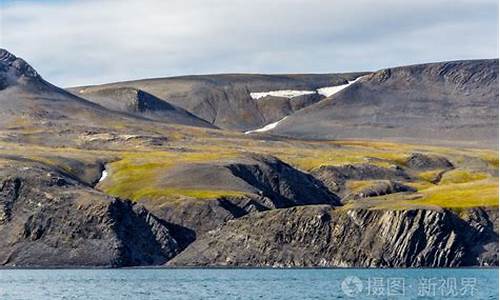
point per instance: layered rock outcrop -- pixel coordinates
(48, 218)
(322, 236)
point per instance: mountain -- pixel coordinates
(139, 103)
(118, 179)
(226, 100)
(453, 103)
(26, 98)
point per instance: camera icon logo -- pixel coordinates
(352, 286)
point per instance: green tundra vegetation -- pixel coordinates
(136, 169)
(474, 181)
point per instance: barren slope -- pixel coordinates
(454, 103)
(225, 101)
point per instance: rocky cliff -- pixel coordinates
(265, 183)
(324, 236)
(48, 218)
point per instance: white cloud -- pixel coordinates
(83, 42)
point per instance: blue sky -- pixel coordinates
(88, 42)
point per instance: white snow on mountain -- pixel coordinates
(325, 91)
(331, 90)
(265, 128)
(103, 175)
(281, 93)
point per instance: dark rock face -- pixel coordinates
(361, 172)
(383, 187)
(267, 182)
(145, 239)
(335, 177)
(322, 236)
(276, 108)
(193, 218)
(281, 183)
(13, 69)
(426, 162)
(49, 219)
(9, 192)
(441, 103)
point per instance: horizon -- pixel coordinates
(278, 74)
(265, 74)
(98, 42)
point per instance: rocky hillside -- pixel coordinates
(256, 183)
(326, 237)
(49, 218)
(225, 100)
(139, 103)
(442, 103)
(27, 99)
(122, 181)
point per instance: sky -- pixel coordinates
(84, 42)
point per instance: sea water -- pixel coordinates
(249, 284)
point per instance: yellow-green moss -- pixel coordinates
(359, 185)
(471, 194)
(429, 176)
(491, 158)
(457, 196)
(171, 194)
(420, 184)
(136, 173)
(462, 176)
(309, 159)
(137, 176)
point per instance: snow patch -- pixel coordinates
(325, 91)
(331, 90)
(103, 175)
(266, 128)
(281, 93)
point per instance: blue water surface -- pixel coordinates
(249, 284)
